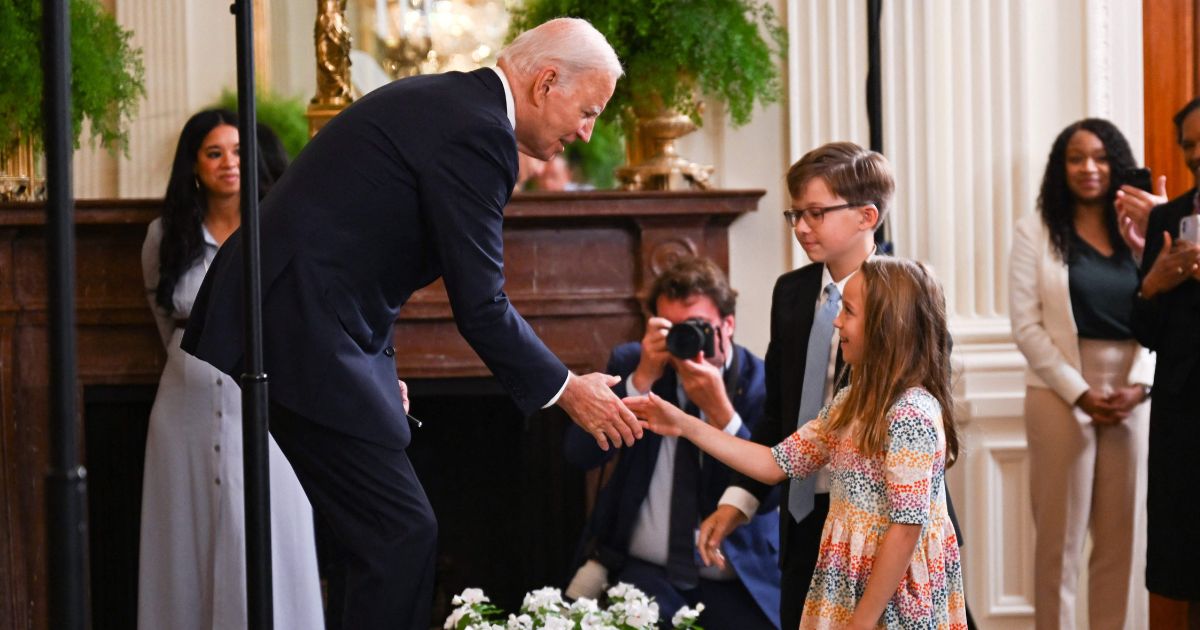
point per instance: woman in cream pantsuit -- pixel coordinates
(1072, 281)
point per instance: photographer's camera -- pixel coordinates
(689, 337)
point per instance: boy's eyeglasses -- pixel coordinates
(814, 216)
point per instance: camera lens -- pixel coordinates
(684, 340)
(688, 338)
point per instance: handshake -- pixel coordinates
(591, 403)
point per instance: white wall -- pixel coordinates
(293, 62)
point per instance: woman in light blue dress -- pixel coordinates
(192, 561)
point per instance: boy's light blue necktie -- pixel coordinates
(812, 394)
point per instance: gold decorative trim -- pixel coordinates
(20, 179)
(331, 38)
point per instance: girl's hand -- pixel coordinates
(658, 415)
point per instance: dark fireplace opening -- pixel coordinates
(509, 508)
(115, 422)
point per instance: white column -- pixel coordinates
(1114, 68)
(958, 100)
(94, 169)
(827, 73)
(160, 30)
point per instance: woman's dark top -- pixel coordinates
(1102, 291)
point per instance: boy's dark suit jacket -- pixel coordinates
(751, 549)
(407, 185)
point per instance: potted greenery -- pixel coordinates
(673, 50)
(106, 81)
(283, 114)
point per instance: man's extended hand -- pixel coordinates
(597, 410)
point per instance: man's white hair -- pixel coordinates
(571, 44)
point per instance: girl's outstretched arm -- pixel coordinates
(749, 458)
(892, 558)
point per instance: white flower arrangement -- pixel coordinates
(544, 609)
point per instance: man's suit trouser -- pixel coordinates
(378, 513)
(804, 543)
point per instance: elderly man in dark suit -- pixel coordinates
(407, 185)
(643, 529)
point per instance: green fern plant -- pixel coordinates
(672, 48)
(599, 157)
(284, 115)
(107, 75)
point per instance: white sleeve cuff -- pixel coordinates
(734, 425)
(560, 392)
(740, 499)
(631, 390)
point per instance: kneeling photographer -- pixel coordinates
(643, 528)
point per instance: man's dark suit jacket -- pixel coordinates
(750, 549)
(405, 186)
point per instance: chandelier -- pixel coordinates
(429, 36)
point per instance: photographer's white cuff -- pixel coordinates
(631, 390)
(734, 425)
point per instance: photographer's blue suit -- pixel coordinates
(751, 549)
(405, 186)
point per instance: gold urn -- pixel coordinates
(654, 162)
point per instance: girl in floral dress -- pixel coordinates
(889, 556)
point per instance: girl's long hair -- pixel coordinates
(1056, 202)
(906, 344)
(184, 205)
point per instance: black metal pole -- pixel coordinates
(875, 96)
(257, 476)
(874, 75)
(66, 482)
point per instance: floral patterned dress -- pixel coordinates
(903, 484)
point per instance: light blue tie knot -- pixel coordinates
(812, 392)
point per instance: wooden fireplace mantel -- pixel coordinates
(577, 266)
